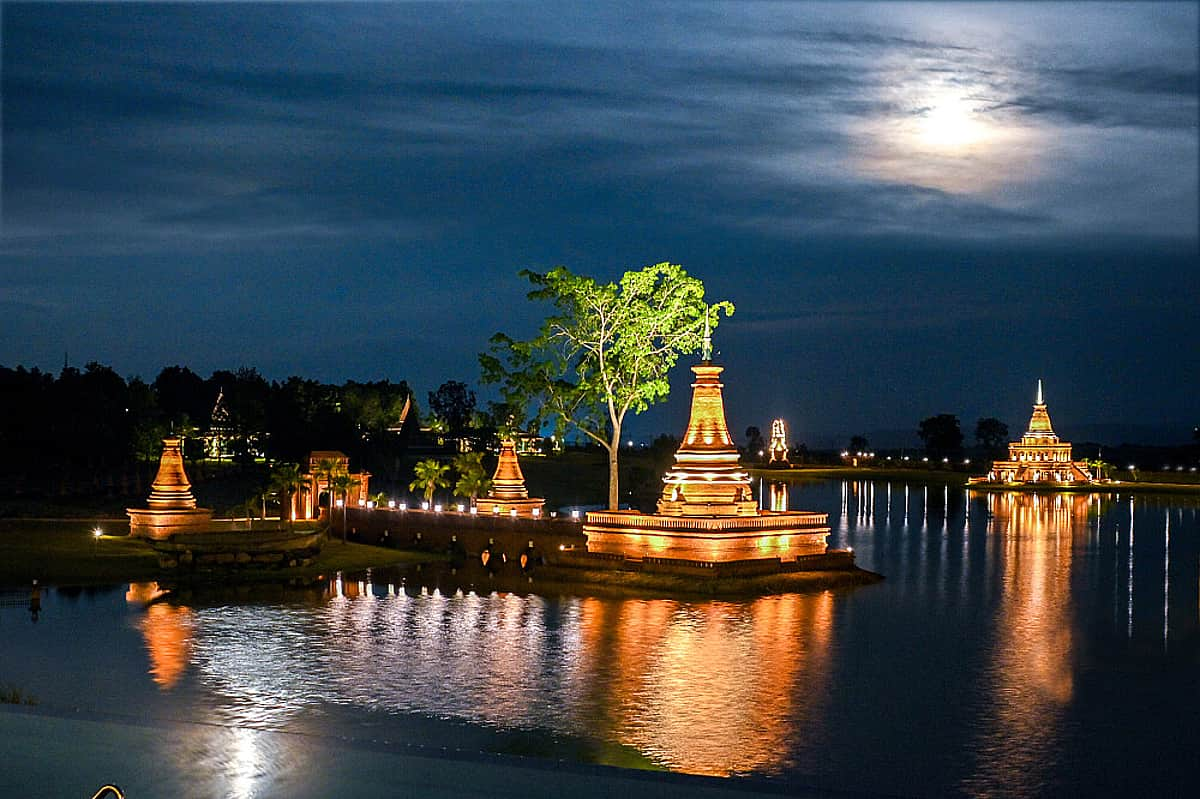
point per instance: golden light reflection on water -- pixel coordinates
(706, 687)
(167, 630)
(1031, 672)
(711, 688)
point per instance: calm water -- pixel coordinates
(1022, 645)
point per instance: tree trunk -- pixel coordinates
(614, 488)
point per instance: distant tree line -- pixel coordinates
(92, 431)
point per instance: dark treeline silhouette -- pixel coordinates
(92, 432)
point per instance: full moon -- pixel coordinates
(949, 123)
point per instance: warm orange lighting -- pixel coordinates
(778, 447)
(508, 487)
(167, 631)
(1039, 457)
(737, 718)
(706, 511)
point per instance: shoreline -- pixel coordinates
(66, 554)
(959, 480)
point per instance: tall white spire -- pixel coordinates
(1039, 398)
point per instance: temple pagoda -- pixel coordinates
(707, 512)
(1039, 457)
(171, 505)
(509, 496)
(778, 448)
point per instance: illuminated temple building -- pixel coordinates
(706, 511)
(508, 496)
(171, 508)
(1039, 457)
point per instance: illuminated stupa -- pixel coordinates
(508, 492)
(172, 508)
(706, 512)
(779, 448)
(1039, 457)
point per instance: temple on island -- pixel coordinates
(508, 496)
(172, 508)
(1039, 457)
(706, 511)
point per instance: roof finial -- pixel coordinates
(1039, 399)
(706, 352)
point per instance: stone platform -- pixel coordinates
(708, 539)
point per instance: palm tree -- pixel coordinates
(248, 507)
(1099, 468)
(472, 478)
(430, 475)
(286, 481)
(343, 484)
(327, 469)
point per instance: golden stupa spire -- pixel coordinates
(508, 482)
(707, 478)
(171, 488)
(1039, 422)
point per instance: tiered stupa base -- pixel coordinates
(707, 539)
(508, 489)
(160, 524)
(172, 508)
(707, 514)
(526, 507)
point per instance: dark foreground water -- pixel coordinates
(1022, 645)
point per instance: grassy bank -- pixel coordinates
(66, 552)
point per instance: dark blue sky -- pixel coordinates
(916, 209)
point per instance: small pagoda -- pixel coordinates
(779, 448)
(1040, 457)
(508, 496)
(707, 512)
(171, 506)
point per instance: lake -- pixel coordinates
(1021, 645)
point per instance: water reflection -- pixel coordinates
(714, 688)
(1026, 608)
(708, 687)
(167, 630)
(1030, 676)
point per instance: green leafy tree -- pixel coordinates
(942, 437)
(454, 404)
(604, 352)
(473, 479)
(286, 481)
(429, 475)
(991, 434)
(858, 444)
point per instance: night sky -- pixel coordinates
(916, 209)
